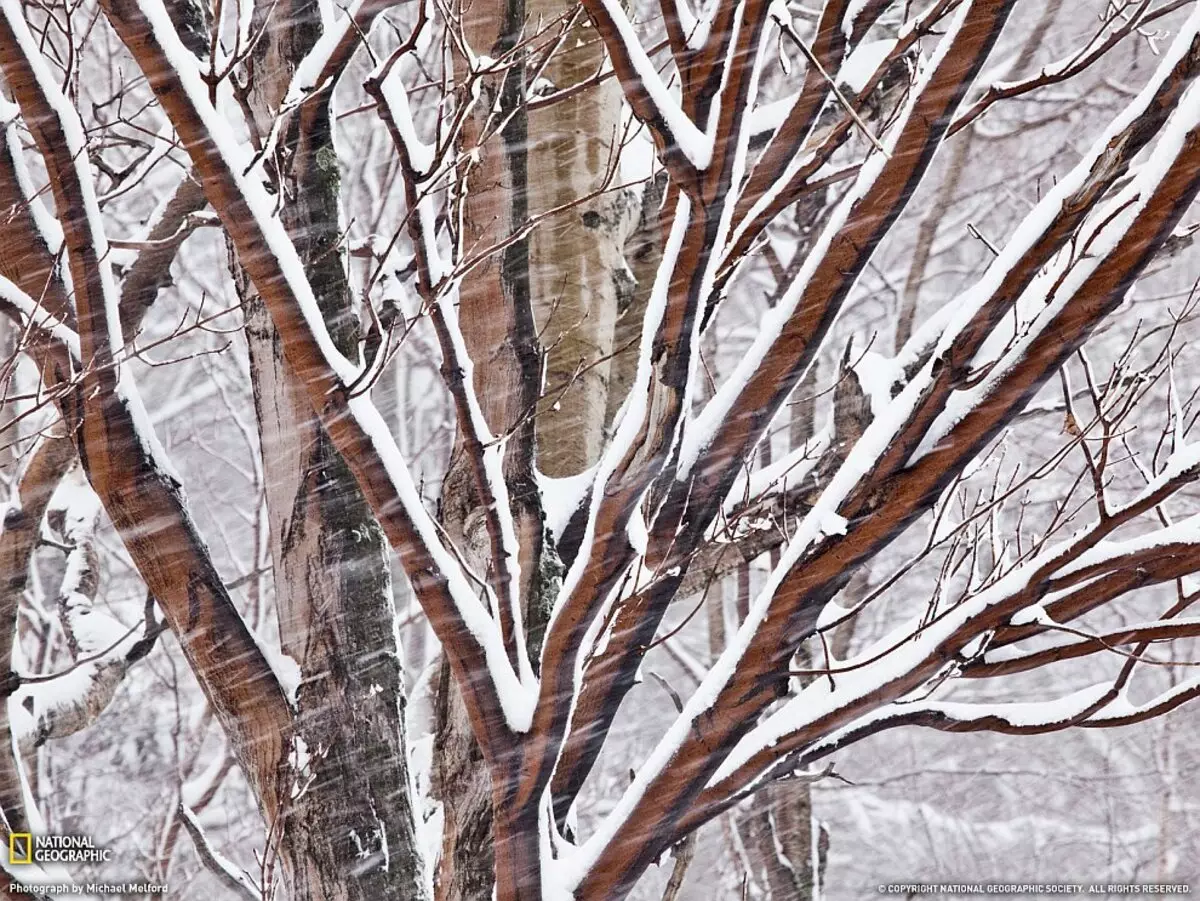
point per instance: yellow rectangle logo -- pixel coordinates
(20, 847)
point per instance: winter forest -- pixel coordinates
(581, 451)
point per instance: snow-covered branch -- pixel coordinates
(464, 625)
(124, 461)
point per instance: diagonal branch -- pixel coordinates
(484, 450)
(726, 431)
(749, 676)
(151, 271)
(463, 625)
(121, 456)
(682, 146)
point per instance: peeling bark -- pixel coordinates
(350, 834)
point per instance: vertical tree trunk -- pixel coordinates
(499, 332)
(568, 274)
(577, 271)
(349, 832)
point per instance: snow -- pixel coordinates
(1025, 714)
(639, 160)
(517, 696)
(636, 406)
(227, 866)
(858, 68)
(423, 159)
(34, 315)
(1123, 708)
(880, 668)
(420, 154)
(972, 648)
(77, 145)
(500, 507)
(1108, 226)
(561, 497)
(63, 702)
(878, 376)
(627, 433)
(1033, 615)
(515, 692)
(890, 417)
(781, 475)
(239, 161)
(1060, 639)
(430, 814)
(703, 428)
(853, 11)
(832, 524)
(696, 28)
(47, 225)
(768, 117)
(1184, 531)
(639, 538)
(695, 144)
(286, 669)
(306, 79)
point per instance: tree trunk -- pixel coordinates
(781, 837)
(499, 332)
(568, 274)
(350, 831)
(577, 271)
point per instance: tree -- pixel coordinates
(613, 456)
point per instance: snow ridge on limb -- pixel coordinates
(881, 434)
(230, 875)
(312, 84)
(465, 627)
(123, 459)
(46, 224)
(897, 669)
(977, 26)
(683, 145)
(1042, 234)
(904, 659)
(419, 162)
(791, 331)
(1072, 644)
(792, 593)
(829, 48)
(772, 190)
(645, 449)
(59, 704)
(33, 317)
(1151, 206)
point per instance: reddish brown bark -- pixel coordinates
(144, 503)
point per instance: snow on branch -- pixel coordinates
(465, 627)
(485, 450)
(229, 874)
(125, 462)
(684, 146)
(1068, 66)
(785, 342)
(1088, 288)
(859, 690)
(1072, 644)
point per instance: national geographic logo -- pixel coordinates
(24, 848)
